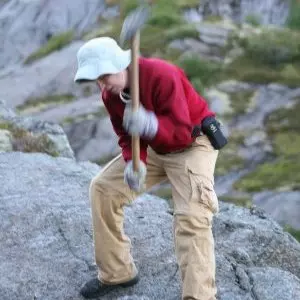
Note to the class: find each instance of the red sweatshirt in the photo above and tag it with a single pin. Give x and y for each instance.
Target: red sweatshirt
(165, 90)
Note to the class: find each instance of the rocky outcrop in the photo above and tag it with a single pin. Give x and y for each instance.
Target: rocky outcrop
(31, 135)
(47, 252)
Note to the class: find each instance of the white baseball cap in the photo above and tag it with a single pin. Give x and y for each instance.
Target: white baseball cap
(101, 56)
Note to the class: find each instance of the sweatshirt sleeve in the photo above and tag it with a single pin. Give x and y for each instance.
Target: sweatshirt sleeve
(174, 122)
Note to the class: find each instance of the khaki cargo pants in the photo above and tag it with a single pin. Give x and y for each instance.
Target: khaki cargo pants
(191, 174)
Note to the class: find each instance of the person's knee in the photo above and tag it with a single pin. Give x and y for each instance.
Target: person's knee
(105, 193)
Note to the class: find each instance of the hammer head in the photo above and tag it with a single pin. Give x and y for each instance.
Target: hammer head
(134, 22)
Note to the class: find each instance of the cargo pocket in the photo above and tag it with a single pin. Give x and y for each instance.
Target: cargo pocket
(202, 190)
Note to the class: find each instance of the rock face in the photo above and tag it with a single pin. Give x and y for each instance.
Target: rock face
(26, 25)
(47, 252)
(52, 75)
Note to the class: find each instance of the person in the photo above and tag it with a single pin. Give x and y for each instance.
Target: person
(169, 111)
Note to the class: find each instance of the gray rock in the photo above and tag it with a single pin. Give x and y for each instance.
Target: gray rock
(6, 112)
(213, 34)
(266, 101)
(93, 139)
(278, 88)
(284, 207)
(219, 102)
(293, 94)
(75, 109)
(51, 75)
(195, 46)
(233, 86)
(260, 277)
(192, 15)
(47, 251)
(5, 141)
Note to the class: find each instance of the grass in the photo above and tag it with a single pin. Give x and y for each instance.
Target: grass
(45, 101)
(287, 144)
(104, 160)
(228, 159)
(240, 102)
(206, 71)
(249, 70)
(101, 113)
(283, 173)
(293, 20)
(282, 127)
(294, 232)
(283, 120)
(273, 47)
(253, 19)
(25, 141)
(184, 4)
(55, 43)
(244, 201)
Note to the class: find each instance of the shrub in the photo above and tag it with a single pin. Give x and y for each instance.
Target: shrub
(25, 141)
(206, 71)
(273, 47)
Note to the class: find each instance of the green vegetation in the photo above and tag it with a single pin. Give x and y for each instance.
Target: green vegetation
(183, 4)
(293, 21)
(249, 70)
(244, 201)
(284, 120)
(253, 20)
(54, 43)
(104, 160)
(166, 23)
(287, 144)
(282, 127)
(294, 232)
(91, 116)
(240, 102)
(26, 141)
(273, 55)
(229, 159)
(203, 71)
(213, 19)
(272, 175)
(45, 101)
(273, 47)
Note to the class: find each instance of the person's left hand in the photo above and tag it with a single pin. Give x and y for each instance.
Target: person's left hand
(141, 122)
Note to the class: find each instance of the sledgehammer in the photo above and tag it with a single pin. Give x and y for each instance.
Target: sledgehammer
(132, 25)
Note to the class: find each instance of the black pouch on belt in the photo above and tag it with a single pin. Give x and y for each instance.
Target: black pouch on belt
(211, 128)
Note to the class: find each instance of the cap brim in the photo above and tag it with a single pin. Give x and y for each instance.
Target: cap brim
(88, 72)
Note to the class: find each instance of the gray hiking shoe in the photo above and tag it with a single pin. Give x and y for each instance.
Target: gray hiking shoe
(94, 288)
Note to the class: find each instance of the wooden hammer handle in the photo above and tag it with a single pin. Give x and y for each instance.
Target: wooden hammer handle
(135, 93)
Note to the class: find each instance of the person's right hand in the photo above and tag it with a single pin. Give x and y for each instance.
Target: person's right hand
(135, 180)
